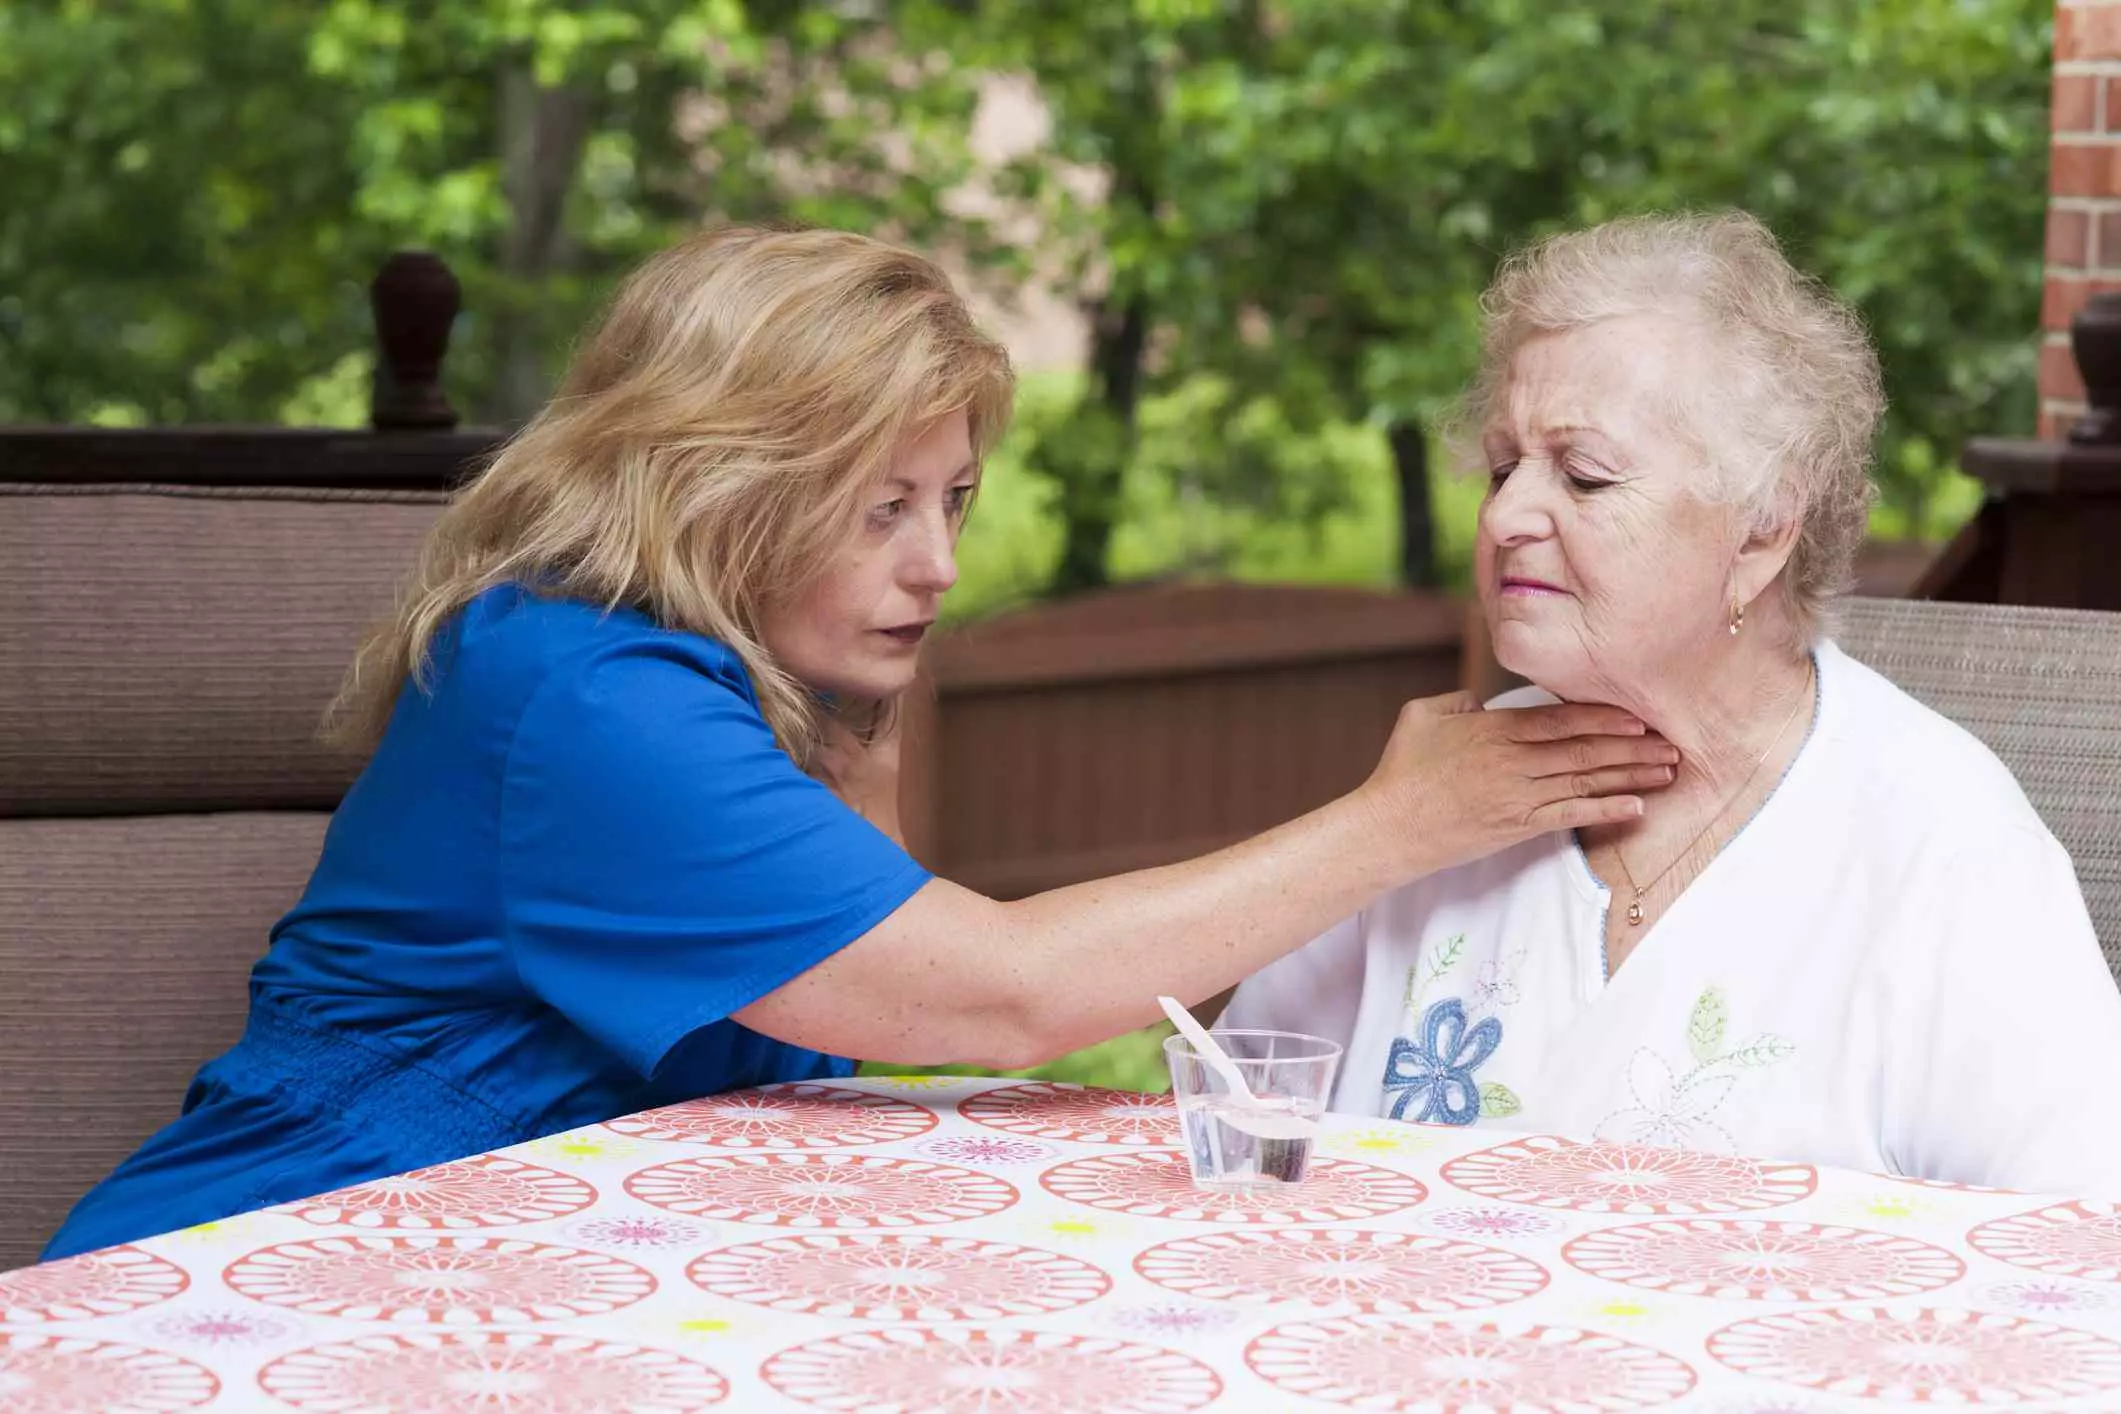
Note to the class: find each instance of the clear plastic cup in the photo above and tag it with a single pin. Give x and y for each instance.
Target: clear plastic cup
(1233, 1145)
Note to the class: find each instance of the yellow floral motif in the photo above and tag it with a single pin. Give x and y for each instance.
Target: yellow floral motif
(236, 1229)
(1381, 1140)
(583, 1144)
(1624, 1310)
(705, 1327)
(916, 1082)
(1894, 1205)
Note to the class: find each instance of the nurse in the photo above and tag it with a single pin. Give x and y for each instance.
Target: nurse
(628, 832)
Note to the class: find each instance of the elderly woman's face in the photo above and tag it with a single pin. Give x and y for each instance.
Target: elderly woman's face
(1599, 567)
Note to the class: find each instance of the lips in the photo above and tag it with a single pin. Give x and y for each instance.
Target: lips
(908, 634)
(1525, 584)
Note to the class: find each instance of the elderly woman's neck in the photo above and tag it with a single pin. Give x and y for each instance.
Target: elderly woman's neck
(1727, 710)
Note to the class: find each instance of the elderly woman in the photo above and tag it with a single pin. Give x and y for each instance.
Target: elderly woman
(1843, 935)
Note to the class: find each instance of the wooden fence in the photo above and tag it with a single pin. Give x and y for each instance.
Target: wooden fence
(1149, 724)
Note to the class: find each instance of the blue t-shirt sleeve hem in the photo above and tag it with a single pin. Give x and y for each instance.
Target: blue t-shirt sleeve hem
(742, 990)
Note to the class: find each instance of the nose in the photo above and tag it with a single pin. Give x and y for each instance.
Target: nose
(1517, 511)
(930, 565)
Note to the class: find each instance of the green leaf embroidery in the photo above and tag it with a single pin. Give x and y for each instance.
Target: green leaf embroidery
(1446, 958)
(1765, 1050)
(1704, 1029)
(1496, 1101)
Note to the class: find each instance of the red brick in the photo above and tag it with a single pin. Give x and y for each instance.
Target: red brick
(2108, 247)
(2058, 373)
(2088, 31)
(2069, 239)
(2074, 103)
(2085, 169)
(2055, 420)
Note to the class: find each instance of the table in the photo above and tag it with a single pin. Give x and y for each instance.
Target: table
(975, 1245)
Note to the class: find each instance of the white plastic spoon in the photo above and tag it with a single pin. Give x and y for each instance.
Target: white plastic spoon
(1250, 1113)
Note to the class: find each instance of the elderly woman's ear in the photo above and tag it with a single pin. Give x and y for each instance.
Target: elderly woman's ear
(1763, 555)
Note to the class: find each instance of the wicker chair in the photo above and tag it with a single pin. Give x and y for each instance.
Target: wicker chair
(2042, 688)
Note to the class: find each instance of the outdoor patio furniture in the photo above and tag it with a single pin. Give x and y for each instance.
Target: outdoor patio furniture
(2042, 688)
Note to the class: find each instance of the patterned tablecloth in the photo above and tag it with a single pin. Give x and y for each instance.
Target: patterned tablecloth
(968, 1245)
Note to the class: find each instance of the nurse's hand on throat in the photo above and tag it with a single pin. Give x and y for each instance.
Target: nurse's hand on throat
(1457, 783)
(863, 774)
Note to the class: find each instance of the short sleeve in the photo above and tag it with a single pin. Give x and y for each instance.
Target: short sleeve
(2006, 1065)
(1316, 990)
(664, 862)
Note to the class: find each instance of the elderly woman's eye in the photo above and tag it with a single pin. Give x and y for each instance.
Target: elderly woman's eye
(1500, 472)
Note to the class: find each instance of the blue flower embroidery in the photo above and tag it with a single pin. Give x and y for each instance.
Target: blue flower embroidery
(1440, 1069)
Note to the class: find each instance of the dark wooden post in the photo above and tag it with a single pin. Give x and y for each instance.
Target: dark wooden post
(415, 297)
(2050, 532)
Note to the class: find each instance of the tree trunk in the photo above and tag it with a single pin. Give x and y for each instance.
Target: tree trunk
(543, 131)
(1417, 519)
(1090, 495)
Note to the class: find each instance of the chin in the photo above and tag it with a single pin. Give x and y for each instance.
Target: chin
(1534, 655)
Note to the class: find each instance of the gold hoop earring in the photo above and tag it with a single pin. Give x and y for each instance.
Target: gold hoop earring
(1737, 616)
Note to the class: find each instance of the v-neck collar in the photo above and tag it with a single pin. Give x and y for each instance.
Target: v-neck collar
(1600, 893)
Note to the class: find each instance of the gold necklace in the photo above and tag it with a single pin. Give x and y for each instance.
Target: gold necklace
(1635, 913)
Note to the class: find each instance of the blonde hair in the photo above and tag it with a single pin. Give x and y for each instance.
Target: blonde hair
(1784, 412)
(707, 454)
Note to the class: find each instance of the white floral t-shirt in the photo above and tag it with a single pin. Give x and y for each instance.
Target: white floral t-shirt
(1889, 968)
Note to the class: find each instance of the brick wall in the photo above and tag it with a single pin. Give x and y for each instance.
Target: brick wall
(2084, 192)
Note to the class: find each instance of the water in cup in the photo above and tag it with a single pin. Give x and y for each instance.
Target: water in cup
(1231, 1144)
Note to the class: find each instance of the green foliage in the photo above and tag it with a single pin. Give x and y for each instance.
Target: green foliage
(198, 190)
(1134, 1061)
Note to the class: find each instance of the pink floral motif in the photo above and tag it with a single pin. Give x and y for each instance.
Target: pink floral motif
(1755, 1260)
(1156, 1183)
(104, 1283)
(1171, 1320)
(1390, 1363)
(986, 1149)
(778, 1117)
(1077, 1114)
(214, 1328)
(1377, 1271)
(2050, 1297)
(487, 1191)
(490, 1372)
(437, 1280)
(899, 1277)
(1493, 1224)
(641, 1233)
(1929, 1356)
(2081, 1240)
(1548, 1172)
(58, 1374)
(981, 1371)
(821, 1190)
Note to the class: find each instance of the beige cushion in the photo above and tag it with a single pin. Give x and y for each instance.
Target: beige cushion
(175, 649)
(125, 946)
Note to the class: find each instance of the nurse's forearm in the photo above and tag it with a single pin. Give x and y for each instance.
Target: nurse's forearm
(1088, 961)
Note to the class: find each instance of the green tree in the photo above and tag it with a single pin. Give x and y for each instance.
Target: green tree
(197, 189)
(1331, 183)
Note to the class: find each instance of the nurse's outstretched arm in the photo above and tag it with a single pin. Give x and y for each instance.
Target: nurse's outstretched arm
(953, 976)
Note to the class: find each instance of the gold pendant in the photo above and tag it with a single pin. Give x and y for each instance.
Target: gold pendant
(1635, 913)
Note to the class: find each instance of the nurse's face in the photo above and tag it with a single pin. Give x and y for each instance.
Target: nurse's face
(857, 630)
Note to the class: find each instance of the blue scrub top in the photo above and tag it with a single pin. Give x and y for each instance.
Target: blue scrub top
(570, 860)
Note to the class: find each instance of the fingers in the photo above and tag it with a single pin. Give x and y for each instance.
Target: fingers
(1616, 780)
(1560, 721)
(1584, 813)
(1449, 704)
(1593, 753)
